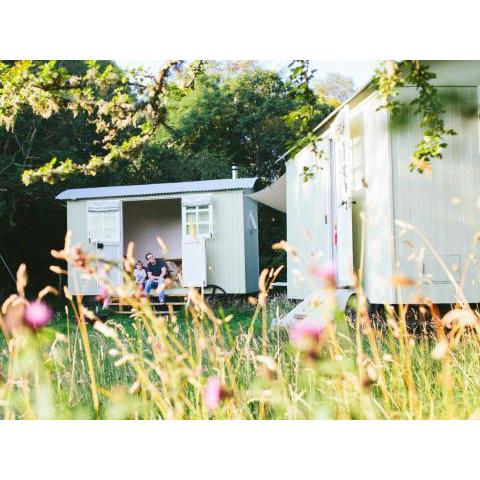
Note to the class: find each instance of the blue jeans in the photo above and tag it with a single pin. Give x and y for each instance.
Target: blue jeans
(152, 285)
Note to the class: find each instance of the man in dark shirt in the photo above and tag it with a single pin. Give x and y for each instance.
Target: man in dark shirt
(156, 272)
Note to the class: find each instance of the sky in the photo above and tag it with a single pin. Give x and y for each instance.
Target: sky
(360, 70)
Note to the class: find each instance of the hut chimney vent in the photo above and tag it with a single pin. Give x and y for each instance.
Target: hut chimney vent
(234, 171)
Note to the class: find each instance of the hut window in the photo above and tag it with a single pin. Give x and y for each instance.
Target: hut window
(198, 221)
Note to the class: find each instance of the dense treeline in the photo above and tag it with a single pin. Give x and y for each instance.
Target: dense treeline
(235, 114)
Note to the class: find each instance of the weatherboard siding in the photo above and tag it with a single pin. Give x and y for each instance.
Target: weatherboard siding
(376, 195)
(226, 249)
(442, 205)
(77, 224)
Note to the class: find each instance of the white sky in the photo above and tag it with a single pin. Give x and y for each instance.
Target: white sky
(359, 70)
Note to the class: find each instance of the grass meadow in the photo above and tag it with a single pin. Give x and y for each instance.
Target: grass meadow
(226, 362)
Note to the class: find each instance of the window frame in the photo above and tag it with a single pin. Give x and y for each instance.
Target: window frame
(197, 208)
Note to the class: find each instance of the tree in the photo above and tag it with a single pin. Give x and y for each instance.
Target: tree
(31, 221)
(73, 124)
(126, 108)
(237, 120)
(309, 110)
(230, 68)
(334, 88)
(231, 119)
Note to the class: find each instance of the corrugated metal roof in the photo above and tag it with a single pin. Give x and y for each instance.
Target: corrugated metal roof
(158, 189)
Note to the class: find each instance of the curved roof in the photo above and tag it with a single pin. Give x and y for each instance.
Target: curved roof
(158, 189)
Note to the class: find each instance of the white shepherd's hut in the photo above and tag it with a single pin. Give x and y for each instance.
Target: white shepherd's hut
(210, 228)
(364, 172)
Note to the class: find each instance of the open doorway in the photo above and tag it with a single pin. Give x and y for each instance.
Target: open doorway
(358, 185)
(144, 221)
(184, 225)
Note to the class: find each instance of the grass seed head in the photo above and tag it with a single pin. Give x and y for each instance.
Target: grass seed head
(440, 350)
(460, 317)
(22, 279)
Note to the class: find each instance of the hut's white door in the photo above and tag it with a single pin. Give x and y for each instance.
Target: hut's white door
(196, 229)
(194, 263)
(105, 232)
(342, 198)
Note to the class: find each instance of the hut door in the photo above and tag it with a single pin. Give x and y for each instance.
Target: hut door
(105, 233)
(342, 199)
(194, 263)
(197, 228)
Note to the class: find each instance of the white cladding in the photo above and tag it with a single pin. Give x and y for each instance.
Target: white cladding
(442, 207)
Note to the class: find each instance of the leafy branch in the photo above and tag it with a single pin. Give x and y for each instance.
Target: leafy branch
(126, 108)
(427, 104)
(304, 118)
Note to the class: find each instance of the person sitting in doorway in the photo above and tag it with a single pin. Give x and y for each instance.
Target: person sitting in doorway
(157, 272)
(140, 274)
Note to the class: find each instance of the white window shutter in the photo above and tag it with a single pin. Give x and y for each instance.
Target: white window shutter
(103, 221)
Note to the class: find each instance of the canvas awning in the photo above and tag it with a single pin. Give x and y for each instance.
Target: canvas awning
(275, 195)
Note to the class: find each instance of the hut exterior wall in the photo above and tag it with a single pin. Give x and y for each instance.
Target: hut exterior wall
(77, 224)
(375, 193)
(442, 205)
(226, 249)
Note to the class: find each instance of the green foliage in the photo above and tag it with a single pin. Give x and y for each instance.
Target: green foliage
(334, 88)
(91, 124)
(427, 104)
(124, 107)
(31, 221)
(234, 118)
(309, 109)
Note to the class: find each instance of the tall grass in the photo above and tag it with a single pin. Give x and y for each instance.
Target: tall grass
(203, 364)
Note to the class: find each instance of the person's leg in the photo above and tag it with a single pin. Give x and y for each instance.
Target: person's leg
(161, 295)
(150, 285)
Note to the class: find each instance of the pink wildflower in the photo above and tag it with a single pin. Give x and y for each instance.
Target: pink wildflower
(79, 258)
(37, 314)
(212, 393)
(309, 328)
(308, 335)
(104, 297)
(326, 273)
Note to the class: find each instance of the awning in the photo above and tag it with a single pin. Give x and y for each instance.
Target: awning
(275, 195)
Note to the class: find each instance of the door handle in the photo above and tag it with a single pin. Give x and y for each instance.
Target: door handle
(346, 202)
(100, 245)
